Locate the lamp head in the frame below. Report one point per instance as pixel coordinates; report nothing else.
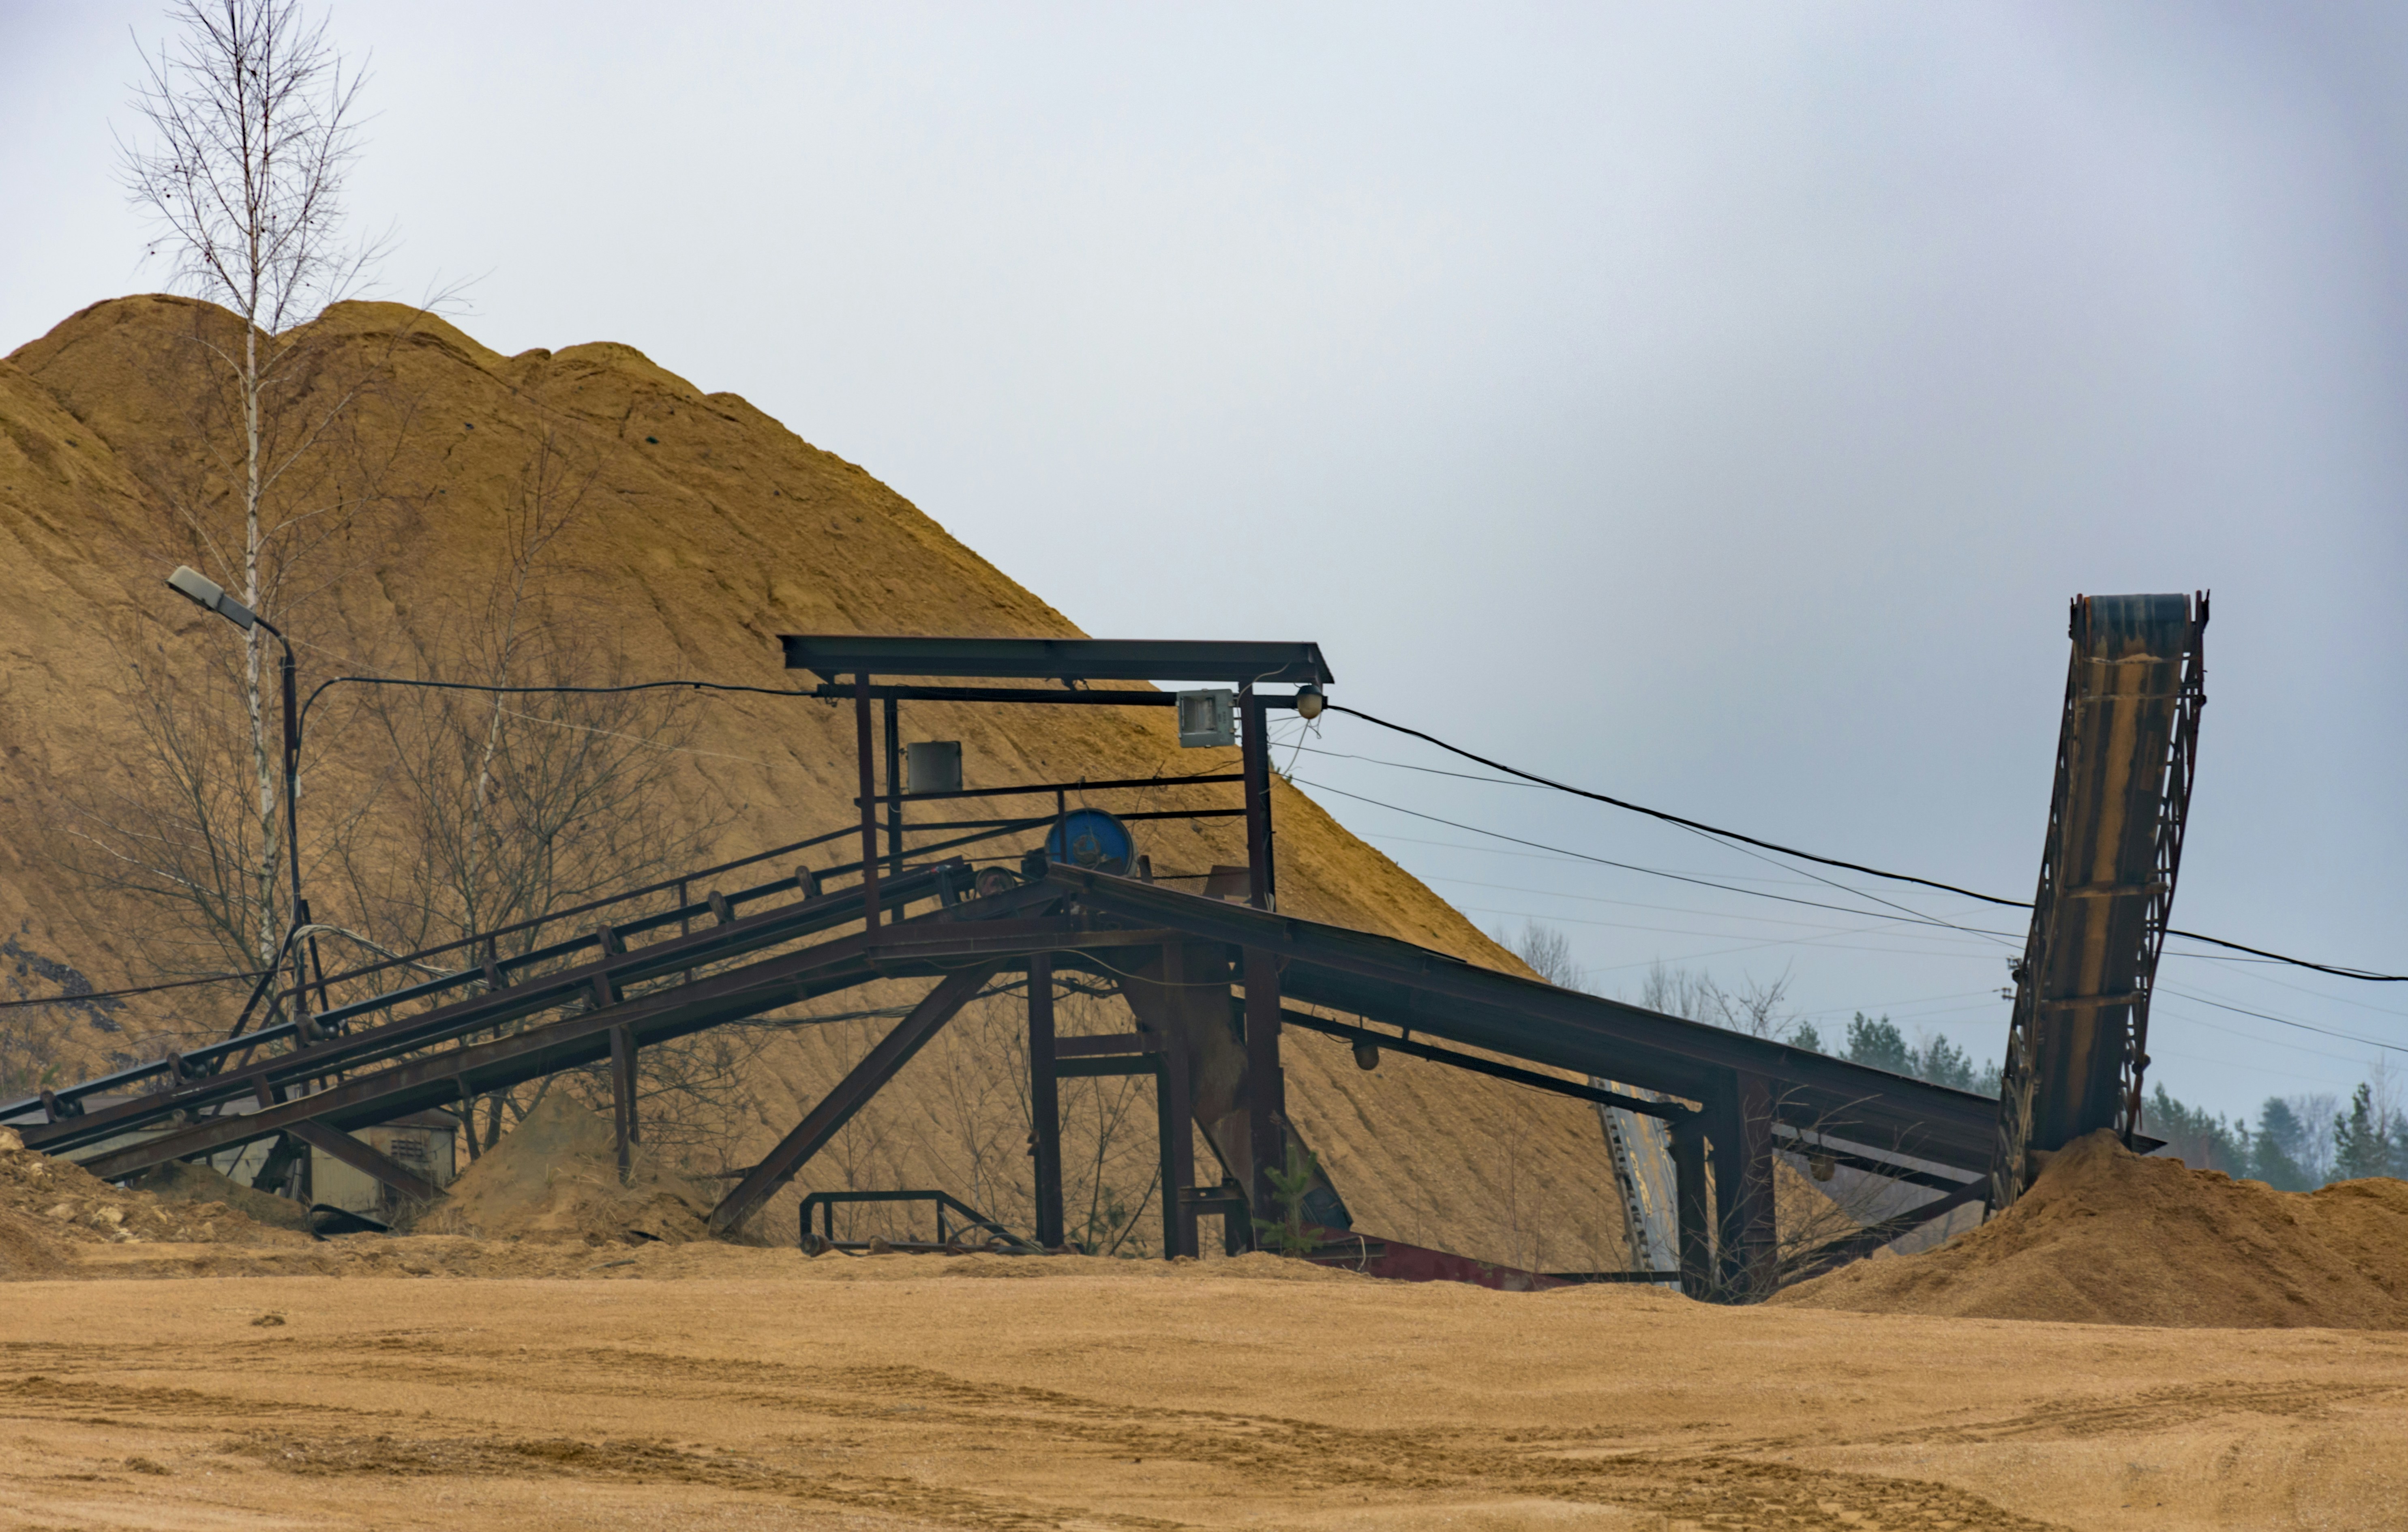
(207, 594)
(1309, 702)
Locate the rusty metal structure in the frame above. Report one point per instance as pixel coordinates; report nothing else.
(1211, 984)
(2127, 748)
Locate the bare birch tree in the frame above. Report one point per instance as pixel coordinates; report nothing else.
(253, 127)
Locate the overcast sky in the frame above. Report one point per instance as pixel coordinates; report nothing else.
(1713, 406)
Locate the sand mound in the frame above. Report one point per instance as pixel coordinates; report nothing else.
(2106, 1236)
(179, 1182)
(50, 1209)
(556, 1180)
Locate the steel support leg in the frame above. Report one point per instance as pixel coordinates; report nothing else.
(623, 1099)
(868, 806)
(1255, 763)
(893, 788)
(1696, 1207)
(1044, 1102)
(1738, 1128)
(1266, 1087)
(1178, 1149)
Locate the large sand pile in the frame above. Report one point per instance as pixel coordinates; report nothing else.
(2106, 1236)
(49, 1208)
(705, 529)
(554, 1179)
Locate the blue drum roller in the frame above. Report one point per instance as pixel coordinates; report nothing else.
(1093, 839)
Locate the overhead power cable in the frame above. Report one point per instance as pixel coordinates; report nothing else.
(91, 995)
(1828, 861)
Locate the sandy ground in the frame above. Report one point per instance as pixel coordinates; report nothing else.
(709, 1386)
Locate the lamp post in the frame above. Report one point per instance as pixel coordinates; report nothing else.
(207, 594)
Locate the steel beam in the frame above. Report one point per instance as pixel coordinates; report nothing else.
(1668, 1110)
(1044, 1102)
(1255, 757)
(851, 1094)
(337, 1145)
(1694, 1196)
(1265, 1086)
(1750, 1242)
(1177, 1135)
(893, 788)
(1839, 1252)
(622, 1098)
(869, 803)
(1434, 993)
(831, 655)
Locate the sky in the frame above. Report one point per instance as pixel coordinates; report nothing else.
(1713, 407)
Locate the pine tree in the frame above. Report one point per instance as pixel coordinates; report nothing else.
(2362, 1140)
(2280, 1152)
(1879, 1045)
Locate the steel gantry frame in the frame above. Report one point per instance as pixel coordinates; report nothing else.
(1211, 983)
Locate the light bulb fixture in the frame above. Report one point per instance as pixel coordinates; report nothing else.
(209, 596)
(1309, 702)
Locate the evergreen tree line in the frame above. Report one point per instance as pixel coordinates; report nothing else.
(2297, 1143)
(1881, 1046)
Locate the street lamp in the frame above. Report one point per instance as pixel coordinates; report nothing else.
(209, 595)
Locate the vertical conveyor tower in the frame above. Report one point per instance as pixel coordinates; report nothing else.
(2078, 1043)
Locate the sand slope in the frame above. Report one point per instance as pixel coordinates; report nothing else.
(2106, 1236)
(710, 528)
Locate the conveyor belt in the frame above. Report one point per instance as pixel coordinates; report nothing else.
(2126, 746)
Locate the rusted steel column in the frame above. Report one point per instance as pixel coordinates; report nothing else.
(1255, 755)
(622, 1098)
(1695, 1198)
(1044, 1101)
(1265, 1087)
(869, 805)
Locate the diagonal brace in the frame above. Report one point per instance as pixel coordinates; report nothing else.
(851, 1094)
(338, 1145)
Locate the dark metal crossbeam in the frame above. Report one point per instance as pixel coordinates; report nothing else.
(1839, 1252)
(1672, 1111)
(366, 1159)
(831, 655)
(851, 1094)
(1433, 994)
(1027, 696)
(1047, 790)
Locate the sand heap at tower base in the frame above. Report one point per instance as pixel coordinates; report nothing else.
(2107, 1236)
(554, 1179)
(52, 1209)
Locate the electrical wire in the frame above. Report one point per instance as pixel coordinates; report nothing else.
(1629, 867)
(137, 990)
(2337, 971)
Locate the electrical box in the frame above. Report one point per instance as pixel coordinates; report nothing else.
(933, 766)
(1208, 718)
